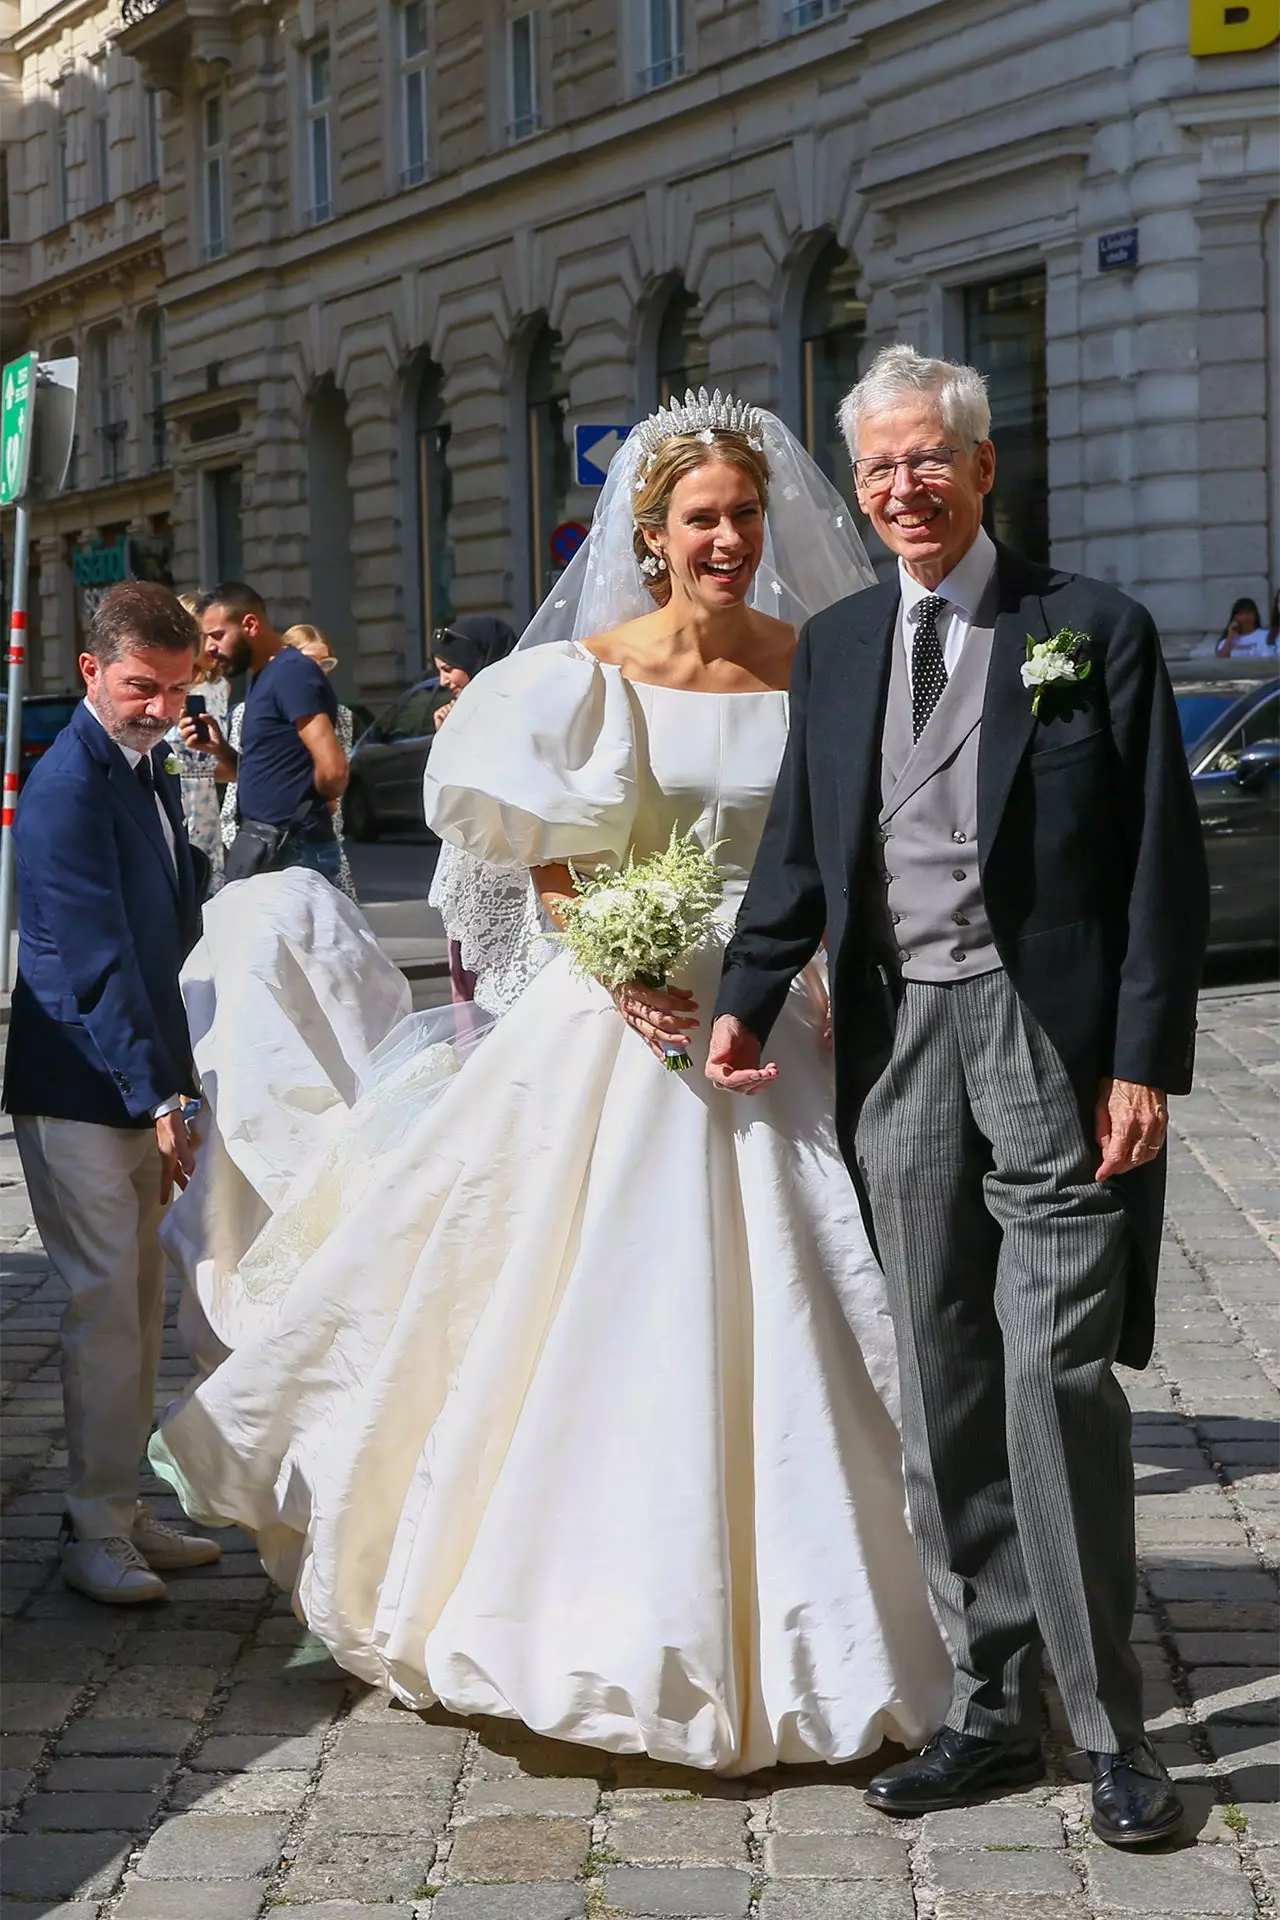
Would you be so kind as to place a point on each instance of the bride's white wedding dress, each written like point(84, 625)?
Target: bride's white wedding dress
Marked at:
point(576, 1402)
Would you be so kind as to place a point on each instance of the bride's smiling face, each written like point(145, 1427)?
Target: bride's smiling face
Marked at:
point(714, 535)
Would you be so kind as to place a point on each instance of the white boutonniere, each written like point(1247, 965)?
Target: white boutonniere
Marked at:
point(171, 764)
point(1064, 656)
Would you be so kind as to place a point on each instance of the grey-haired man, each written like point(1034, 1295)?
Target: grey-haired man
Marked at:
point(986, 805)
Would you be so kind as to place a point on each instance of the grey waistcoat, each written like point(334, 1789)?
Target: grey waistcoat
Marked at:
point(929, 816)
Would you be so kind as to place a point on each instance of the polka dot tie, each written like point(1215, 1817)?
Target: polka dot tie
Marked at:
point(928, 668)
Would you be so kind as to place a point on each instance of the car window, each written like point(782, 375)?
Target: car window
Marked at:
point(1263, 724)
point(1199, 711)
point(412, 718)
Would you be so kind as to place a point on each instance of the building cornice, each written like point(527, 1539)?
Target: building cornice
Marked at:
point(104, 269)
point(1229, 108)
point(885, 184)
point(53, 24)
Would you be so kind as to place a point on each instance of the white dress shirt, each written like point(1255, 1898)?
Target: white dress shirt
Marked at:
point(133, 756)
point(963, 589)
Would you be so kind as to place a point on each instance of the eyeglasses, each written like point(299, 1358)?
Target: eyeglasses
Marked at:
point(876, 474)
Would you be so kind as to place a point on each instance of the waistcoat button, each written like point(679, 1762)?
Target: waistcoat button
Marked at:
point(961, 919)
point(958, 873)
point(904, 953)
point(957, 953)
point(896, 918)
point(958, 837)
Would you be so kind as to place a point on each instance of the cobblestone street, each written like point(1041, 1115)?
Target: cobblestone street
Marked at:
point(204, 1760)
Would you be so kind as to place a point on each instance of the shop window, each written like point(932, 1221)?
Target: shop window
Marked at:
point(226, 523)
point(546, 405)
point(435, 503)
point(1005, 340)
point(833, 328)
point(684, 358)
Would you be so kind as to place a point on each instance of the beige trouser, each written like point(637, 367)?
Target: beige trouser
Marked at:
point(95, 1194)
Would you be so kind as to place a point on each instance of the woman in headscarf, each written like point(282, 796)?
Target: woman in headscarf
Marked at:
point(461, 650)
point(465, 648)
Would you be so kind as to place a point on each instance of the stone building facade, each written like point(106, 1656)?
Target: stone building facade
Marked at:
point(345, 274)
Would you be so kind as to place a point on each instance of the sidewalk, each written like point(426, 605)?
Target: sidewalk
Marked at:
point(205, 1761)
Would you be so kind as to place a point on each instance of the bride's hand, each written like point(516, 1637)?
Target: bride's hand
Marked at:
point(662, 1017)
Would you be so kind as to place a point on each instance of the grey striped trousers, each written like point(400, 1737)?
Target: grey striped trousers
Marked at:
point(1005, 1263)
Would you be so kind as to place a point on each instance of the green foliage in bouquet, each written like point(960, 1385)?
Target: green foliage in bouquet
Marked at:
point(641, 922)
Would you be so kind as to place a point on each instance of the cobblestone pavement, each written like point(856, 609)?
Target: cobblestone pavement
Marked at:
point(203, 1760)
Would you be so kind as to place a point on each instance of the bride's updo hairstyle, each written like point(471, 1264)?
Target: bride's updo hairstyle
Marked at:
point(683, 454)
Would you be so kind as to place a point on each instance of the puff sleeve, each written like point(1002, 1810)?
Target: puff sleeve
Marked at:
point(537, 762)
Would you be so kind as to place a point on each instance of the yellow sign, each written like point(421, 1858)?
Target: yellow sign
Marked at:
point(1233, 26)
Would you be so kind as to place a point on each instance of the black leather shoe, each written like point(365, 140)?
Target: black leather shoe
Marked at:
point(953, 1770)
point(1134, 1800)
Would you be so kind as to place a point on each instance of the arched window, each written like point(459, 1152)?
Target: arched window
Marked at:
point(434, 482)
point(833, 327)
point(550, 468)
point(684, 358)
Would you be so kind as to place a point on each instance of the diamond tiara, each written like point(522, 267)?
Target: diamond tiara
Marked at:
point(702, 414)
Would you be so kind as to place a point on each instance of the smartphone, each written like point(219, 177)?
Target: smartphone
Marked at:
point(195, 706)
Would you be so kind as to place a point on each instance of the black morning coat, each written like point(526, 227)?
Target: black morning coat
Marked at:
point(1090, 856)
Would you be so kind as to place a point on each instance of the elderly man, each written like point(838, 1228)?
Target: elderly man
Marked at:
point(986, 805)
point(99, 1059)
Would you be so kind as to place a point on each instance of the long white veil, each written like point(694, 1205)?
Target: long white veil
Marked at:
point(813, 555)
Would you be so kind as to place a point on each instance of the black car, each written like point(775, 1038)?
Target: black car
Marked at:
point(1230, 715)
point(387, 765)
point(44, 715)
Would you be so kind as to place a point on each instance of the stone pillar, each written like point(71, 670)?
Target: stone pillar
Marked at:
point(1232, 343)
point(369, 380)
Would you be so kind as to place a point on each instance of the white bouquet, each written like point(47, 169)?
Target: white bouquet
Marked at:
point(640, 923)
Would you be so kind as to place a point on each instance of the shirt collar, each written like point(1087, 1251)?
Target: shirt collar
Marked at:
point(131, 754)
point(964, 586)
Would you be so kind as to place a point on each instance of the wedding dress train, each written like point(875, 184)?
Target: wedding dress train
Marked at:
point(575, 1397)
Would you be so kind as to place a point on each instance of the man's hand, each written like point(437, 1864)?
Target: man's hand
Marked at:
point(1132, 1122)
point(733, 1058)
point(215, 743)
point(177, 1154)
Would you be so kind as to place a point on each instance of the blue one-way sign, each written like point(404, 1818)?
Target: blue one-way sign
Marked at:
point(594, 447)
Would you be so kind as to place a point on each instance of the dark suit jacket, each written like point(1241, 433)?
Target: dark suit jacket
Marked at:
point(1090, 854)
point(97, 1028)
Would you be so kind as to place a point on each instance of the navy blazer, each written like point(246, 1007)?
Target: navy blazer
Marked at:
point(98, 1031)
point(1090, 855)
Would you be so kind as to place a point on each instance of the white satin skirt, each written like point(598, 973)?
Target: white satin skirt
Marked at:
point(574, 1402)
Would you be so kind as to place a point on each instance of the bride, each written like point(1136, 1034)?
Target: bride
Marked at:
point(575, 1402)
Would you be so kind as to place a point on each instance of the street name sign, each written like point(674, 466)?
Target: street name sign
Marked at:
point(18, 389)
point(594, 447)
point(1118, 249)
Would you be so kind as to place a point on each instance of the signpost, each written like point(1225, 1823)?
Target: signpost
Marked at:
point(593, 449)
point(565, 541)
point(37, 421)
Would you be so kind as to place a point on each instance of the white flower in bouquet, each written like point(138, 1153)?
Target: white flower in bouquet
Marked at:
point(640, 923)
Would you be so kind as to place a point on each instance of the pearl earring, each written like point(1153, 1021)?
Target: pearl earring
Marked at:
point(653, 565)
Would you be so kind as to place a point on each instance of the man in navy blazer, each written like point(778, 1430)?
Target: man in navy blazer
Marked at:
point(99, 1061)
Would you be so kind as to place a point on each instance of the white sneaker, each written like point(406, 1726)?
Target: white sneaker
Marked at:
point(112, 1571)
point(165, 1549)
